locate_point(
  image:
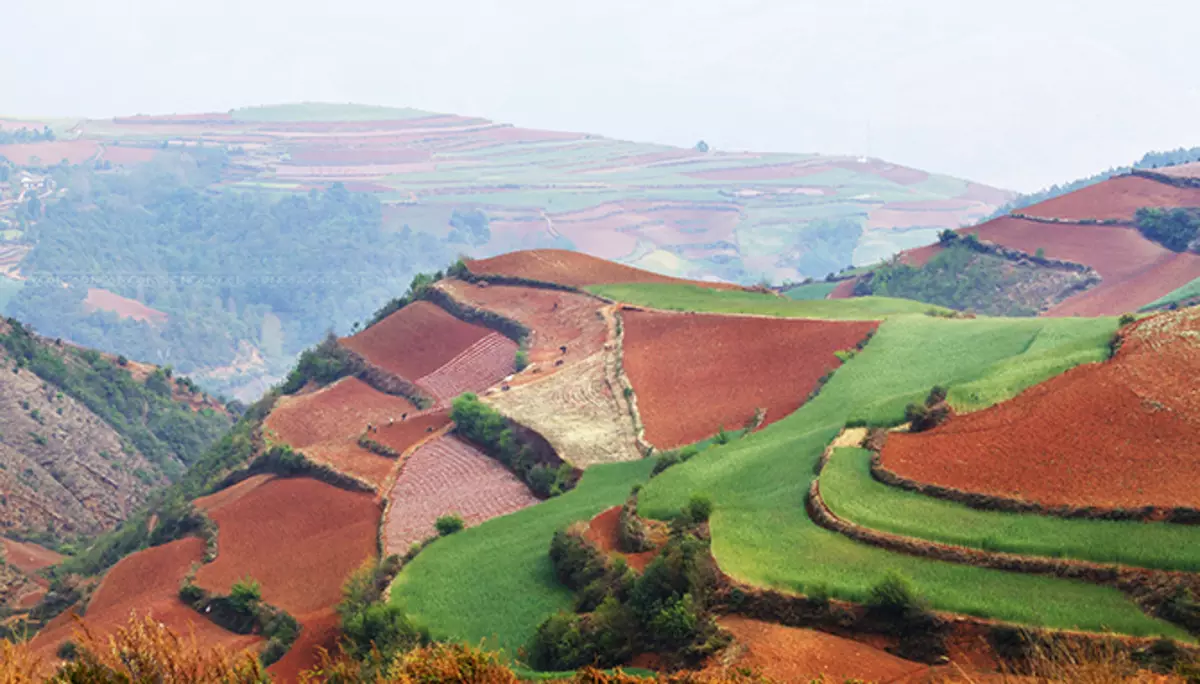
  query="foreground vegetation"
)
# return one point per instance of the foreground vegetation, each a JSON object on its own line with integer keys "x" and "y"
{"x": 852, "y": 494}
{"x": 762, "y": 534}
{"x": 695, "y": 298}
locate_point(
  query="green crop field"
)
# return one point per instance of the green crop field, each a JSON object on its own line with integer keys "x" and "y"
{"x": 495, "y": 581}
{"x": 696, "y": 298}
{"x": 1188, "y": 291}
{"x": 851, "y": 493}
{"x": 762, "y": 535}
{"x": 818, "y": 290}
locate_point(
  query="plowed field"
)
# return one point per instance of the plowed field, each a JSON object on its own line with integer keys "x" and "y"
{"x": 50, "y": 153}
{"x": 555, "y": 318}
{"x": 694, "y": 373}
{"x": 476, "y": 368}
{"x": 1117, "y": 434}
{"x": 449, "y": 476}
{"x": 415, "y": 341}
{"x": 148, "y": 582}
{"x": 298, "y": 537}
{"x": 28, "y": 557}
{"x": 795, "y": 654}
{"x": 325, "y": 425}
{"x": 1116, "y": 198}
{"x": 603, "y": 531}
{"x": 576, "y": 411}
{"x": 123, "y": 307}
{"x": 572, "y": 268}
{"x": 319, "y": 630}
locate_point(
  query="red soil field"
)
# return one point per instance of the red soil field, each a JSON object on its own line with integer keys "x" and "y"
{"x": 1122, "y": 433}
{"x": 556, "y": 318}
{"x": 50, "y": 153}
{"x": 230, "y": 494}
{"x": 325, "y": 425}
{"x": 1191, "y": 170}
{"x": 796, "y": 654}
{"x": 415, "y": 341}
{"x": 128, "y": 155}
{"x": 447, "y": 476}
{"x": 844, "y": 289}
{"x": 147, "y": 582}
{"x": 573, "y": 269}
{"x": 318, "y": 630}
{"x": 123, "y": 307}
{"x": 602, "y": 531}
{"x": 694, "y": 373}
{"x": 1116, "y": 198}
{"x": 28, "y": 557}
{"x": 298, "y": 537}
{"x": 477, "y": 368}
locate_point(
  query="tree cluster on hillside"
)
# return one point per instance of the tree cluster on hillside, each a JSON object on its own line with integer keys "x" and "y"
{"x": 1176, "y": 229}
{"x": 226, "y": 267}
{"x": 26, "y": 135}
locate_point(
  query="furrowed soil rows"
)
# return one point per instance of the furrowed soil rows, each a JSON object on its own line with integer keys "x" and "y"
{"x": 147, "y": 582}
{"x": 795, "y": 654}
{"x": 556, "y": 318}
{"x": 478, "y": 367}
{"x": 573, "y": 269}
{"x": 694, "y": 373}
{"x": 449, "y": 476}
{"x": 325, "y": 425}
{"x": 415, "y": 341}
{"x": 576, "y": 411}
{"x": 1116, "y": 198}
{"x": 298, "y": 537}
{"x": 1115, "y": 434}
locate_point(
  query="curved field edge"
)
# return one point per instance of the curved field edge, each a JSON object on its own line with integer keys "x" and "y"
{"x": 693, "y": 298}
{"x": 494, "y": 582}
{"x": 853, "y": 495}
{"x": 763, "y": 536}
{"x": 1187, "y": 292}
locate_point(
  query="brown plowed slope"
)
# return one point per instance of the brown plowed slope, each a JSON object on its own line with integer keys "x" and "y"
{"x": 476, "y": 368}
{"x": 694, "y": 373}
{"x": 573, "y": 269}
{"x": 1117, "y": 434}
{"x": 795, "y": 654}
{"x": 28, "y": 557}
{"x": 321, "y": 630}
{"x": 603, "y": 532}
{"x": 844, "y": 289}
{"x": 325, "y": 425}
{"x": 448, "y": 476}
{"x": 298, "y": 537}
{"x": 1116, "y": 198}
{"x": 555, "y": 318}
{"x": 147, "y": 582}
{"x": 123, "y": 307}
{"x": 415, "y": 341}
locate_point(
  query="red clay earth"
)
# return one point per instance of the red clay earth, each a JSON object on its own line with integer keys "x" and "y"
{"x": 416, "y": 340}
{"x": 448, "y": 476}
{"x": 28, "y": 557}
{"x": 602, "y": 531}
{"x": 574, "y": 269}
{"x": 475, "y": 369}
{"x": 147, "y": 582}
{"x": 844, "y": 289}
{"x": 123, "y": 307}
{"x": 1116, "y": 198}
{"x": 1117, "y": 434}
{"x": 50, "y": 153}
{"x": 325, "y": 425}
{"x": 298, "y": 537}
{"x": 795, "y": 654}
{"x": 556, "y": 318}
{"x": 321, "y": 631}
{"x": 694, "y": 373}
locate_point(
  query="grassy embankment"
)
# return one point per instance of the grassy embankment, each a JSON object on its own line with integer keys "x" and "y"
{"x": 852, "y": 494}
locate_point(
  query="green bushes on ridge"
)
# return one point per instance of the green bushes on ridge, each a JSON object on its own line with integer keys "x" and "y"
{"x": 486, "y": 427}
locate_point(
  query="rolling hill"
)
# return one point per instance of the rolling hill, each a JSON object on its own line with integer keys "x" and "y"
{"x": 759, "y": 519}
{"x": 345, "y": 203}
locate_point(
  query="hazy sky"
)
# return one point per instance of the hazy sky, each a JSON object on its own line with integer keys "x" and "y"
{"x": 1015, "y": 93}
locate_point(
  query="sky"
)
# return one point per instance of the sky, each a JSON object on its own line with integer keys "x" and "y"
{"x": 1018, "y": 94}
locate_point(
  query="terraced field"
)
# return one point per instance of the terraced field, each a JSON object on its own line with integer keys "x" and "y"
{"x": 447, "y": 476}
{"x": 415, "y": 341}
{"x": 852, "y": 494}
{"x": 675, "y": 297}
{"x": 475, "y": 369}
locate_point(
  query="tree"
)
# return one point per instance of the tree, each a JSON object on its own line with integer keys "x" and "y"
{"x": 702, "y": 147}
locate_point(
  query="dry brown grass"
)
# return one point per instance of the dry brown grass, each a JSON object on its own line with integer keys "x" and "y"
{"x": 1097, "y": 663}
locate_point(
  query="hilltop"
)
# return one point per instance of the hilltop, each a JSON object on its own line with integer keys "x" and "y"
{"x": 279, "y": 223}
{"x": 585, "y": 464}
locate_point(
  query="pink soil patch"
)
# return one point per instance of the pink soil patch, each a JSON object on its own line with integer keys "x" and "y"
{"x": 1116, "y": 198}
{"x": 475, "y": 369}
{"x": 334, "y": 156}
{"x": 50, "y": 153}
{"x": 844, "y": 289}
{"x": 663, "y": 223}
{"x": 126, "y": 156}
{"x": 574, "y": 269}
{"x": 448, "y": 476}
{"x": 416, "y": 340}
{"x": 993, "y": 197}
{"x": 762, "y": 173}
{"x": 1191, "y": 170}
{"x": 28, "y": 557}
{"x": 123, "y": 307}
{"x": 928, "y": 214}
{"x": 298, "y": 537}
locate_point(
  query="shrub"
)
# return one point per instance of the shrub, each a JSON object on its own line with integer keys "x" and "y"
{"x": 893, "y": 596}
{"x": 522, "y": 360}
{"x": 67, "y": 650}
{"x": 699, "y": 508}
{"x": 722, "y": 437}
{"x": 1126, "y": 319}
{"x": 449, "y": 524}
{"x": 246, "y": 594}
